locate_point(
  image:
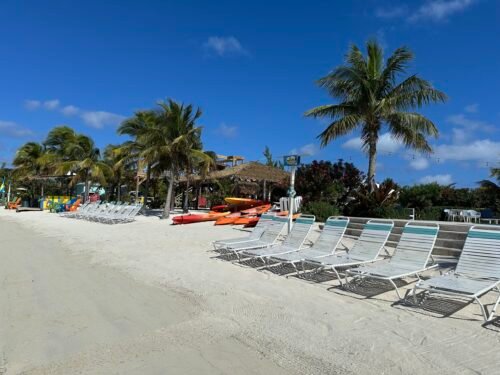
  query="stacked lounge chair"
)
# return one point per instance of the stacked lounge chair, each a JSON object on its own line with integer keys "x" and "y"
{"x": 107, "y": 213}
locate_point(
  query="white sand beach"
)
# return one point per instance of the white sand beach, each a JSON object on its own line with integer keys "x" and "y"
{"x": 152, "y": 298}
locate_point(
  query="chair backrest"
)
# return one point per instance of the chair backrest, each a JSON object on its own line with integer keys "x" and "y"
{"x": 480, "y": 256}
{"x": 372, "y": 239}
{"x": 415, "y": 245}
{"x": 300, "y": 229}
{"x": 273, "y": 229}
{"x": 331, "y": 234}
{"x": 262, "y": 224}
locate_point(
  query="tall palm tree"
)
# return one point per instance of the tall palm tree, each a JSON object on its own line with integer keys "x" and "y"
{"x": 173, "y": 145}
{"x": 370, "y": 98}
{"x": 129, "y": 152}
{"x": 78, "y": 155}
{"x": 29, "y": 162}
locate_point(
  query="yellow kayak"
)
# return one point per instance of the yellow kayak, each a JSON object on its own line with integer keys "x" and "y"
{"x": 242, "y": 201}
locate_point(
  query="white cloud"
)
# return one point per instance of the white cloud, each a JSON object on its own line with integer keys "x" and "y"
{"x": 224, "y": 46}
{"x": 441, "y": 179}
{"x": 70, "y": 110}
{"x": 227, "y": 131}
{"x": 99, "y": 119}
{"x": 459, "y": 135}
{"x": 479, "y": 150}
{"x": 419, "y": 163}
{"x": 307, "y": 150}
{"x": 438, "y": 10}
{"x": 472, "y": 124}
{"x": 394, "y": 12}
{"x": 385, "y": 143}
{"x": 13, "y": 130}
{"x": 471, "y": 108}
{"x": 32, "y": 104}
{"x": 51, "y": 104}
{"x": 95, "y": 119}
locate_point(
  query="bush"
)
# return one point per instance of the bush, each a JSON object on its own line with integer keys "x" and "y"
{"x": 322, "y": 210}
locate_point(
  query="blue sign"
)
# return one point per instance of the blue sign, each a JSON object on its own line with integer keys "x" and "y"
{"x": 292, "y": 160}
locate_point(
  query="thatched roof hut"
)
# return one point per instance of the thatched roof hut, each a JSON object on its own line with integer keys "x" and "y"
{"x": 250, "y": 172}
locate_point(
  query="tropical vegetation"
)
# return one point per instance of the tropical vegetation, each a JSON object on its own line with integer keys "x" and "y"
{"x": 371, "y": 99}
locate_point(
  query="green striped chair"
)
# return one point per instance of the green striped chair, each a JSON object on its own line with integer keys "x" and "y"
{"x": 411, "y": 257}
{"x": 365, "y": 250}
{"x": 477, "y": 271}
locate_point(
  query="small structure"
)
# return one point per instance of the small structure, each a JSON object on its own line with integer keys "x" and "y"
{"x": 251, "y": 178}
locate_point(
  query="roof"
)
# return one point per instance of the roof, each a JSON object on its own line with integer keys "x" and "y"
{"x": 252, "y": 171}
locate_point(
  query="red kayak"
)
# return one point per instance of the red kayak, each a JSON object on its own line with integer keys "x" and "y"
{"x": 198, "y": 218}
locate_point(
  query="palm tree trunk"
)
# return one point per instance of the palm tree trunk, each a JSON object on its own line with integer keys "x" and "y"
{"x": 146, "y": 185}
{"x": 185, "y": 205}
{"x": 372, "y": 163}
{"x": 168, "y": 201}
{"x": 87, "y": 186}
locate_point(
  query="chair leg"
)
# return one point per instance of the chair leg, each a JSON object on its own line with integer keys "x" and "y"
{"x": 395, "y": 287}
{"x": 338, "y": 276}
{"x": 483, "y": 309}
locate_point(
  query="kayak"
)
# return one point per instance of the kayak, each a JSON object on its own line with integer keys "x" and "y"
{"x": 197, "y": 218}
{"x": 257, "y": 210}
{"x": 243, "y": 202}
{"x": 220, "y": 208}
{"x": 229, "y": 219}
{"x": 252, "y": 222}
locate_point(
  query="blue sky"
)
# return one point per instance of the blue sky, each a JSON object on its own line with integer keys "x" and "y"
{"x": 251, "y": 67}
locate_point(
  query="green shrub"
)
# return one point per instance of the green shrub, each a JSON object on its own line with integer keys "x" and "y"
{"x": 322, "y": 210}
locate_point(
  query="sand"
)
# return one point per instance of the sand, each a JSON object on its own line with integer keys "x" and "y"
{"x": 151, "y": 298}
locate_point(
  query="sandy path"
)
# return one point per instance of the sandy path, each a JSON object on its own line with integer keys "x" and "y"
{"x": 59, "y": 314}
{"x": 147, "y": 297}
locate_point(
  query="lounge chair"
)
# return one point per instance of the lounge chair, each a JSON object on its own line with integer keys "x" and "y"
{"x": 268, "y": 237}
{"x": 14, "y": 205}
{"x": 411, "y": 257}
{"x": 293, "y": 241}
{"x": 365, "y": 250}
{"x": 326, "y": 244}
{"x": 477, "y": 271}
{"x": 254, "y": 235}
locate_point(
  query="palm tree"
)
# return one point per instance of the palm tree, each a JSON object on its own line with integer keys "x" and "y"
{"x": 30, "y": 161}
{"x": 173, "y": 145}
{"x": 128, "y": 153}
{"x": 76, "y": 155}
{"x": 370, "y": 98}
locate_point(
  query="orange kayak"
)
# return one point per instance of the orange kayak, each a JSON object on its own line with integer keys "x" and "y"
{"x": 197, "y": 218}
{"x": 229, "y": 219}
{"x": 257, "y": 210}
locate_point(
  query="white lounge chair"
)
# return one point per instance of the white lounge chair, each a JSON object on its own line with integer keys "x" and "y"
{"x": 326, "y": 244}
{"x": 365, "y": 250}
{"x": 411, "y": 257}
{"x": 292, "y": 243}
{"x": 268, "y": 237}
{"x": 254, "y": 235}
{"x": 477, "y": 271}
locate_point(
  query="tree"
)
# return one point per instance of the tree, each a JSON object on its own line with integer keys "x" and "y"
{"x": 29, "y": 162}
{"x": 173, "y": 145}
{"x": 324, "y": 181}
{"x": 370, "y": 99}
{"x": 129, "y": 152}
{"x": 269, "y": 159}
{"x": 77, "y": 155}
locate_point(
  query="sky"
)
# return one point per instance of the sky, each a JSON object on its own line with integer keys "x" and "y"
{"x": 251, "y": 67}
